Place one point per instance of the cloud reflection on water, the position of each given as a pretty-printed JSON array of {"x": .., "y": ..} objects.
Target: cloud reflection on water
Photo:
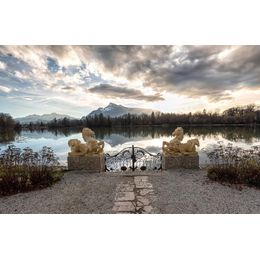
[{"x": 148, "y": 138}]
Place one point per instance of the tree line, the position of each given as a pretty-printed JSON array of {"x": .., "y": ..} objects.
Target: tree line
[
  {"x": 249, "y": 114},
  {"x": 7, "y": 122}
]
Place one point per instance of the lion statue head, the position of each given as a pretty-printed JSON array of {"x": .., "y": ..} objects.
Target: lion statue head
[
  {"x": 178, "y": 131},
  {"x": 87, "y": 133},
  {"x": 74, "y": 145}
]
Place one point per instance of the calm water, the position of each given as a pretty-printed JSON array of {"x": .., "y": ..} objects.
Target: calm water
[{"x": 149, "y": 138}]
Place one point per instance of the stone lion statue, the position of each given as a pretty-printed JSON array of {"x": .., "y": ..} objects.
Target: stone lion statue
[
  {"x": 92, "y": 146},
  {"x": 173, "y": 145},
  {"x": 176, "y": 147}
]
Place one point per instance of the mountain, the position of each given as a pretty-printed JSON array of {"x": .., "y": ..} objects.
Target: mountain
[
  {"x": 114, "y": 110},
  {"x": 41, "y": 118}
]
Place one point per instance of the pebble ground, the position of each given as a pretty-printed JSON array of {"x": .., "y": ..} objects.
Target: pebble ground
[{"x": 178, "y": 191}]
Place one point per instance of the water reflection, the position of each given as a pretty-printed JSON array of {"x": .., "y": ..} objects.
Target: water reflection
[
  {"x": 7, "y": 136},
  {"x": 149, "y": 138}
]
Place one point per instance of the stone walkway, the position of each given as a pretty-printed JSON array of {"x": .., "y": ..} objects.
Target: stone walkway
[{"x": 134, "y": 195}]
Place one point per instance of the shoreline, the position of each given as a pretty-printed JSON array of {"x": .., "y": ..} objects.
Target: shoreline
[{"x": 136, "y": 126}]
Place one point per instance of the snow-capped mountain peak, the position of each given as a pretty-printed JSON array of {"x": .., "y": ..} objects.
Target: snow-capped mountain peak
[{"x": 114, "y": 110}]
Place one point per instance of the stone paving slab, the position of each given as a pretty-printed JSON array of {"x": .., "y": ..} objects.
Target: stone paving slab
[
  {"x": 147, "y": 209},
  {"x": 137, "y": 201},
  {"x": 125, "y": 187},
  {"x": 140, "y": 178},
  {"x": 142, "y": 201},
  {"x": 143, "y": 185},
  {"x": 123, "y": 206},
  {"x": 125, "y": 196},
  {"x": 144, "y": 192}
]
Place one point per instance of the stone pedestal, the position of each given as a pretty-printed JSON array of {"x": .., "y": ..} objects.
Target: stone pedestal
[
  {"x": 89, "y": 163},
  {"x": 189, "y": 161}
]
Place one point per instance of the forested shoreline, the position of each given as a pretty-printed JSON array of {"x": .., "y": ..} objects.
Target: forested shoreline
[
  {"x": 249, "y": 114},
  {"x": 233, "y": 116}
]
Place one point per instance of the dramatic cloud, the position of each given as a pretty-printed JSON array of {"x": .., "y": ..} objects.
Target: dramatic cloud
[
  {"x": 5, "y": 89},
  {"x": 151, "y": 76},
  {"x": 126, "y": 93},
  {"x": 193, "y": 71}
]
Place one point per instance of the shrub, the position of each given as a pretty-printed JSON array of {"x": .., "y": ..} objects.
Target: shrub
[
  {"x": 25, "y": 170},
  {"x": 234, "y": 164}
]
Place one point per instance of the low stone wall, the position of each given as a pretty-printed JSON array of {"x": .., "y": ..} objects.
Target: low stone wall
[
  {"x": 189, "y": 161},
  {"x": 89, "y": 163}
]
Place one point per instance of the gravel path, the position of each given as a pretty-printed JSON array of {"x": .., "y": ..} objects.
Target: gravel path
[
  {"x": 75, "y": 193},
  {"x": 180, "y": 191},
  {"x": 185, "y": 191}
]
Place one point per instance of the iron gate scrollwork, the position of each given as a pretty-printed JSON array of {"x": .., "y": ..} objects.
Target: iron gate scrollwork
[{"x": 133, "y": 158}]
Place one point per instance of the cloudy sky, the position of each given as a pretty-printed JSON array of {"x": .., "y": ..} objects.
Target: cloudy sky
[{"x": 75, "y": 80}]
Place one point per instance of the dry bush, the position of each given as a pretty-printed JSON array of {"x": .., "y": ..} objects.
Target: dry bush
[
  {"x": 25, "y": 170},
  {"x": 234, "y": 164}
]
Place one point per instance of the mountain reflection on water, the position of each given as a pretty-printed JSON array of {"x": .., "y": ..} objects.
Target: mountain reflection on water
[{"x": 149, "y": 138}]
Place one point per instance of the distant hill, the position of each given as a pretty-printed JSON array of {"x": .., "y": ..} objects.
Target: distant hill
[
  {"x": 114, "y": 110},
  {"x": 41, "y": 118}
]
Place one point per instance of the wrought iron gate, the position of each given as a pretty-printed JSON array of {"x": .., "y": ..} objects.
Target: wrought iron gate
[{"x": 133, "y": 158}]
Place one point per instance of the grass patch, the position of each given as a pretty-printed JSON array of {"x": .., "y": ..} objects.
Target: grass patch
[
  {"x": 235, "y": 165},
  {"x": 26, "y": 170}
]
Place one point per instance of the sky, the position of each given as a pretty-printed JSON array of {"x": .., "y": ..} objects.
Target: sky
[{"x": 75, "y": 80}]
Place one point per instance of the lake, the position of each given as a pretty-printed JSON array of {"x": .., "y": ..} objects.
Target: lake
[{"x": 149, "y": 138}]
